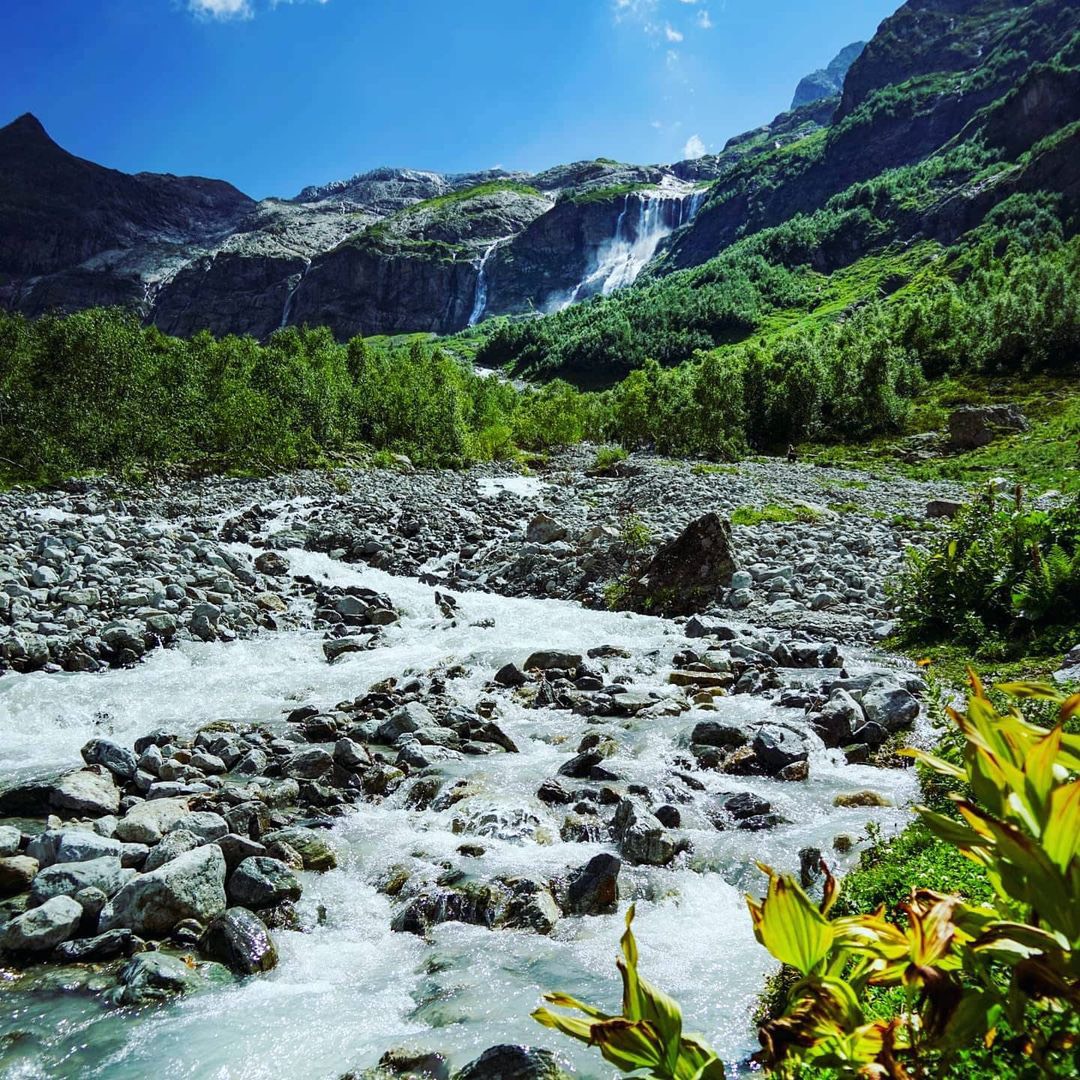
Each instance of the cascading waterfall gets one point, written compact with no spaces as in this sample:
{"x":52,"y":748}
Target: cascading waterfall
{"x":480,"y":297}
{"x":635,"y":240}
{"x":294,"y":287}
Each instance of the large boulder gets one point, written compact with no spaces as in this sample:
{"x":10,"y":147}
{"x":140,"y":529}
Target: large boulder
{"x":262,"y":882}
{"x":71,"y":845}
{"x":312,"y":846}
{"x":890,"y":706}
{"x":119,"y":760}
{"x":66,"y":879}
{"x":594,"y":887}
{"x":148,"y":822}
{"x":89,"y":792}
{"x":972,"y":426}
{"x":777,"y":747}
{"x":641,"y":836}
{"x":155,"y":976}
{"x":689,"y":573}
{"x":42,"y":928}
{"x":191,"y":886}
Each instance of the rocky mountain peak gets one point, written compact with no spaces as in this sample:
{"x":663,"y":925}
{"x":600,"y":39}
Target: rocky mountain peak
{"x":827,"y":81}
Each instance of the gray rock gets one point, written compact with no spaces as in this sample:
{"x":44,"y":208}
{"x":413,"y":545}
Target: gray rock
{"x":544,"y":529}
{"x":89,"y":792}
{"x":405,"y":719}
{"x":548,"y":659}
{"x":642,"y":839}
{"x":108,"y":946}
{"x":120,"y":761}
{"x":776,"y":747}
{"x":16,"y":873}
{"x":191,"y":886}
{"x":240,"y":940}
{"x":66,"y":879}
{"x":42,"y":928}
{"x":890,"y":707}
{"x":238,"y":848}
{"x":155,"y":976}
{"x":71,"y":845}
{"x":715,"y":733}
{"x":310,"y":764}
{"x":148,"y":822}
{"x":972,"y":426}
{"x":10,"y":841}
{"x":205,"y":824}
{"x":175,"y":843}
{"x":351,"y":756}
{"x":510,"y":675}
{"x":262,"y":882}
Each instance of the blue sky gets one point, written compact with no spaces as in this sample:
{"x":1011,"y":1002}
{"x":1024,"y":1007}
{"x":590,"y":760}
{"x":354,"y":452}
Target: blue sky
{"x":276,"y":94}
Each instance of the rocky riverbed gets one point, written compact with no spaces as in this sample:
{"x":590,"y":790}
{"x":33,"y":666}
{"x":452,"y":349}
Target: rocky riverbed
{"x":309,"y":773}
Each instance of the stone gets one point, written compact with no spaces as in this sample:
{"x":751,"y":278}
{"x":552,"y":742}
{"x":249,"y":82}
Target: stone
{"x":175,"y":843}
{"x":544,"y":529}
{"x":148,"y":822}
{"x":890,"y":706}
{"x":510,"y":675}
{"x":237,"y":848}
{"x":704,"y":626}
{"x":775,"y":747}
{"x":66,"y":879}
{"x":262,"y":882}
{"x":240,"y":940}
{"x":71,"y":845}
{"x":155,"y":976}
{"x":405,"y":719}
{"x":972,"y":426}
{"x":412,"y":1065}
{"x":272,"y":564}
{"x":513,"y":1063}
{"x":943,"y":508}
{"x":689,"y":573}
{"x":594,"y":888}
{"x":119,"y":760}
{"x":10,"y":841}
{"x":205,"y":824}
{"x":89,"y":792}
{"x":104,"y":947}
{"x":861,"y":799}
{"x":16,"y":873}
{"x":338,"y":647}
{"x":316,"y":851}
{"x":310,"y":764}
{"x":42,"y":928}
{"x":642,"y":839}
{"x":715,"y":733}
{"x":549,"y":659}
{"x":351,"y":756}
{"x":191,"y":886}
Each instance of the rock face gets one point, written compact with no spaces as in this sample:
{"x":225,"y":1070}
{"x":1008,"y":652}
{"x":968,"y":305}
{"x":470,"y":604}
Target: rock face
{"x":689,"y":573}
{"x":828,"y":81}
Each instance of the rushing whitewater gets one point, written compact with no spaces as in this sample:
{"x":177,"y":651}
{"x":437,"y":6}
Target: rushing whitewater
{"x":646,"y":219}
{"x":347,"y":988}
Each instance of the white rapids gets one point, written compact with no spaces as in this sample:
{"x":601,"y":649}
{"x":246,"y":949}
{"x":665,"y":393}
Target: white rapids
{"x":348,"y":988}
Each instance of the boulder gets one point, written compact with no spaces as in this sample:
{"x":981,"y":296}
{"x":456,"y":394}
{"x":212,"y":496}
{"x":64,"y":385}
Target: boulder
{"x":16,"y":873}
{"x":66,"y":879}
{"x":972,"y":426}
{"x":544,"y":529}
{"x":155,"y":976}
{"x":191,"y":886}
{"x":97,"y":949}
{"x":175,"y":843}
{"x":776,"y":747}
{"x":71,"y":845}
{"x":548,"y":659}
{"x":148,"y":822}
{"x":10,"y":841}
{"x":594,"y":888}
{"x":42,"y":928}
{"x":689,"y":573}
{"x":890,"y":706}
{"x":239,"y":939}
{"x":316,"y":851}
{"x":642,"y":839}
{"x":89,"y":792}
{"x":262,"y":882}
{"x":119,"y":760}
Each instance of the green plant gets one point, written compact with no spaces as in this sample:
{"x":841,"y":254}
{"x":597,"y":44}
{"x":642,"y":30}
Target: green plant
{"x":647,"y":1035}
{"x":607,"y":456}
{"x":634,"y":534}
{"x":774,"y":515}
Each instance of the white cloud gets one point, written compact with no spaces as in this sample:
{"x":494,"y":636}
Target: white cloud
{"x":226,"y":10}
{"x":703,"y":19}
{"x":671,"y":33}
{"x":694,"y":147}
{"x":634,"y":9}
{"x":221,"y":9}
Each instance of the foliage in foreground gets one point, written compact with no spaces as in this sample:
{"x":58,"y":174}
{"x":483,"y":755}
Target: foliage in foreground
{"x":1005,"y":576}
{"x":961,"y":974}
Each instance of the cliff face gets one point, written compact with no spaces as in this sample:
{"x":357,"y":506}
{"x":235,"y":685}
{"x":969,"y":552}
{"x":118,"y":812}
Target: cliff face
{"x":399,"y":250}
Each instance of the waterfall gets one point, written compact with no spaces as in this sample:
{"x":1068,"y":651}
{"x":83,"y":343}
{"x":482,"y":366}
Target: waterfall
{"x":294,"y":287}
{"x":480,"y":298}
{"x":634,"y":242}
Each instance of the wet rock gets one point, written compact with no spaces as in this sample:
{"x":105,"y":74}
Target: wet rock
{"x":642,"y":839}
{"x":715,"y":733}
{"x":412,"y":1064}
{"x":119,"y":760}
{"x":513,"y":1063}
{"x":239,"y":939}
{"x":580,"y":766}
{"x":510,"y":675}
{"x":155,"y":976}
{"x":861,"y":799}
{"x":89,"y":792}
{"x":745,"y":805}
{"x":42,"y":928}
{"x":553,"y":659}
{"x":553,"y":793}
{"x":531,"y":905}
{"x":796,"y":772}
{"x":176,"y":843}
{"x":262,"y":882}
{"x":593,"y":889}
{"x":775,"y":747}
{"x":237,"y":848}
{"x":313,"y":847}
{"x":339,"y":647}
{"x":351,"y":756}
{"x":104,"y":947}
{"x":191,"y":886}
{"x":689,"y":573}
{"x":308,"y":764}
{"x":810,"y":860}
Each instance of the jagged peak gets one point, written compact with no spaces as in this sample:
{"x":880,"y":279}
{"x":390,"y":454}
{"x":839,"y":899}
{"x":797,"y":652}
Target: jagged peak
{"x":27,"y":126}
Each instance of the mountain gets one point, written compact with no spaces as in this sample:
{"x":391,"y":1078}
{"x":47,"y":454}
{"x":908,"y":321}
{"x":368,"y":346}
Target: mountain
{"x":827,"y":81}
{"x":976,"y":99}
